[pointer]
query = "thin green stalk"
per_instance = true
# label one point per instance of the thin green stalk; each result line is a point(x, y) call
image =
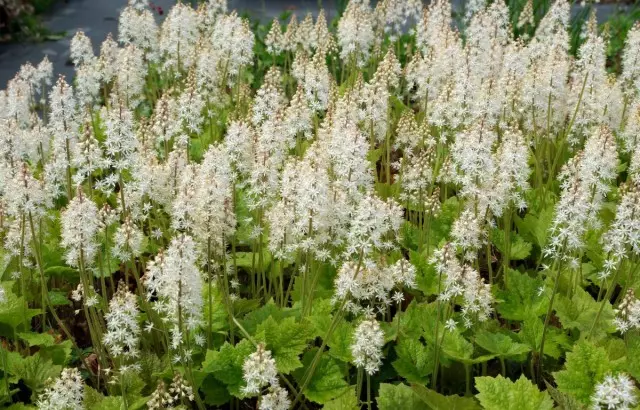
point(368, 391)
point(548, 317)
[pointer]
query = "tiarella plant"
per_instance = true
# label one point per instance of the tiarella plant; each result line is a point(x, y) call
point(389, 210)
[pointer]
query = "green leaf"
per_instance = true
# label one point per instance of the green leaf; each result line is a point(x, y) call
point(33, 370)
point(564, 401)
point(437, 401)
point(519, 250)
point(346, 401)
point(398, 396)
point(413, 319)
point(109, 403)
point(426, 276)
point(326, 383)
point(286, 340)
point(520, 299)
point(58, 353)
point(500, 393)
point(63, 272)
point(37, 339)
point(340, 342)
point(633, 357)
point(254, 318)
point(415, 361)
point(456, 346)
point(92, 397)
point(58, 298)
point(536, 228)
point(226, 365)
point(580, 312)
point(14, 311)
point(531, 335)
point(215, 393)
point(586, 366)
point(500, 344)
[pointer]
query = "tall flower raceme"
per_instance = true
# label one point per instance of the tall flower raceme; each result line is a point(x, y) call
point(81, 49)
point(374, 226)
point(137, 26)
point(367, 346)
point(88, 84)
point(64, 123)
point(630, 76)
point(355, 33)
point(87, 155)
point(488, 34)
point(130, 76)
point(435, 73)
point(472, 153)
point(585, 180)
point(233, 40)
point(261, 377)
point(301, 218)
point(65, 392)
point(120, 145)
point(269, 97)
point(392, 16)
point(80, 224)
point(274, 41)
point(178, 38)
point(215, 220)
point(174, 278)
point(127, 240)
point(375, 96)
point(630, 134)
point(461, 279)
point(191, 105)
point(298, 118)
point(622, 240)
point(122, 336)
point(588, 84)
point(371, 288)
point(627, 313)
point(108, 59)
point(316, 82)
point(511, 178)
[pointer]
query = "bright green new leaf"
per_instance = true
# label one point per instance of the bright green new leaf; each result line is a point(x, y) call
point(500, 344)
point(346, 401)
point(37, 339)
point(437, 401)
point(33, 370)
point(398, 396)
point(531, 335)
point(563, 400)
point(340, 342)
point(536, 228)
point(14, 311)
point(327, 382)
point(499, 393)
point(415, 361)
point(586, 366)
point(580, 311)
point(519, 250)
point(286, 340)
point(253, 319)
point(226, 364)
point(520, 299)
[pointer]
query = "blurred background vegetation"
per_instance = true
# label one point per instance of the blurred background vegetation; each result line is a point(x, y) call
point(20, 20)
